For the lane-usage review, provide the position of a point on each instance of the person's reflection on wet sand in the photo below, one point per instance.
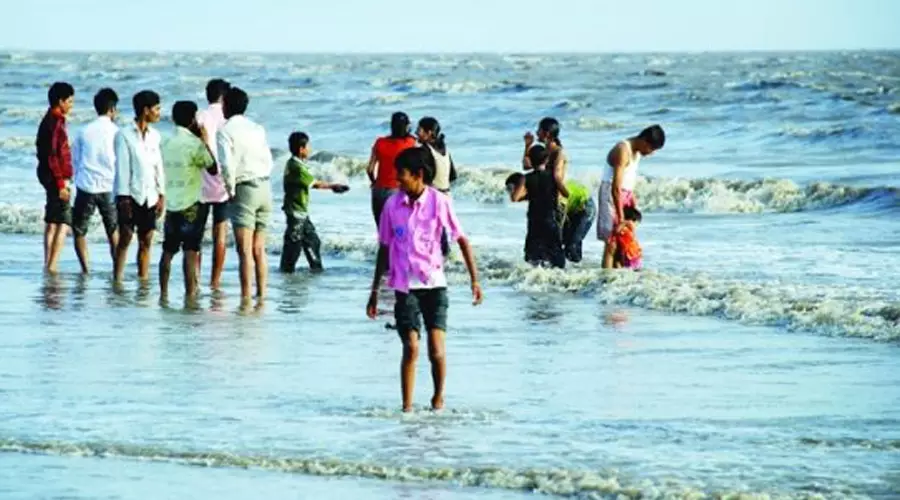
(52, 291)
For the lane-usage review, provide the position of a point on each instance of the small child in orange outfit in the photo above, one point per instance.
(628, 250)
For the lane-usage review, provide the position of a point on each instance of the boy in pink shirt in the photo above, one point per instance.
(409, 233)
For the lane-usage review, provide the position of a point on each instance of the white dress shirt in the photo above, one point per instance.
(139, 165)
(243, 152)
(212, 120)
(94, 156)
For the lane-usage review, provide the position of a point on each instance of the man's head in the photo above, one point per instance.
(538, 156)
(235, 102)
(548, 130)
(184, 114)
(298, 143)
(106, 102)
(216, 90)
(415, 169)
(61, 95)
(651, 139)
(146, 106)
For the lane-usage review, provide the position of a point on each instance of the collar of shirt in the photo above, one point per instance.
(57, 112)
(423, 198)
(179, 130)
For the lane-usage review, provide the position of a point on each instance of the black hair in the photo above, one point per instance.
(551, 127)
(216, 89)
(632, 214)
(183, 113)
(399, 125)
(514, 179)
(236, 102)
(653, 135)
(143, 100)
(415, 160)
(538, 155)
(105, 101)
(297, 141)
(59, 91)
(431, 124)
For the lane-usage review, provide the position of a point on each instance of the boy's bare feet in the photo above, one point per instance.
(407, 409)
(437, 403)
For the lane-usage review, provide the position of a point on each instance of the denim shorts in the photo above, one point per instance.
(85, 206)
(184, 229)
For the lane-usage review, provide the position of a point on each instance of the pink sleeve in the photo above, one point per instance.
(450, 221)
(385, 231)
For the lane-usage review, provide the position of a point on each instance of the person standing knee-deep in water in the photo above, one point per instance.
(300, 235)
(140, 183)
(619, 181)
(54, 171)
(246, 164)
(430, 136)
(186, 156)
(214, 194)
(94, 157)
(580, 213)
(409, 234)
(380, 170)
(543, 239)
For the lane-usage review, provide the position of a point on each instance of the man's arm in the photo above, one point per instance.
(526, 161)
(559, 175)
(209, 158)
(469, 257)
(223, 147)
(56, 160)
(453, 174)
(373, 164)
(519, 192)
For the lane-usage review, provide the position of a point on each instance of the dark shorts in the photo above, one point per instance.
(380, 196)
(56, 211)
(412, 308)
(219, 212)
(85, 206)
(143, 218)
(184, 229)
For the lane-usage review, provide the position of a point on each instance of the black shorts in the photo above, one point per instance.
(412, 308)
(219, 212)
(85, 205)
(184, 229)
(56, 211)
(143, 218)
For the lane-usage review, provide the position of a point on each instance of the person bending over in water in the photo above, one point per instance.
(543, 239)
(300, 235)
(580, 214)
(409, 234)
(619, 180)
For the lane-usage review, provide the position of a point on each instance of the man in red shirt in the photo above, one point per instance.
(54, 171)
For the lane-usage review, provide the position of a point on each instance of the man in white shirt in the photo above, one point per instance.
(94, 158)
(246, 163)
(140, 183)
(214, 194)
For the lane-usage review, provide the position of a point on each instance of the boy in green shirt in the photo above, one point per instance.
(300, 235)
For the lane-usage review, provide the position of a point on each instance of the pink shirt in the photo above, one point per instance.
(411, 230)
(213, 186)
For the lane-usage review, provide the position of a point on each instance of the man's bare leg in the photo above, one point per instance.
(125, 235)
(408, 368)
(609, 254)
(57, 242)
(220, 234)
(113, 239)
(244, 241)
(49, 231)
(165, 269)
(436, 354)
(81, 250)
(262, 263)
(145, 242)
(191, 273)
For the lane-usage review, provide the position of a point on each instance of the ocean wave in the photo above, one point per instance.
(823, 133)
(17, 142)
(573, 483)
(381, 100)
(894, 108)
(422, 86)
(35, 115)
(593, 123)
(757, 85)
(867, 444)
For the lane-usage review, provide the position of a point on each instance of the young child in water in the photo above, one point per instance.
(300, 235)
(628, 251)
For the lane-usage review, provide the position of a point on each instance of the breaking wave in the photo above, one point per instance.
(573, 483)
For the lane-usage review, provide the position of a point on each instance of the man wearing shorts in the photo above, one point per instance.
(246, 163)
(140, 183)
(54, 171)
(186, 157)
(214, 194)
(94, 157)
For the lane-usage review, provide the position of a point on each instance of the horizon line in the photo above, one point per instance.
(448, 52)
